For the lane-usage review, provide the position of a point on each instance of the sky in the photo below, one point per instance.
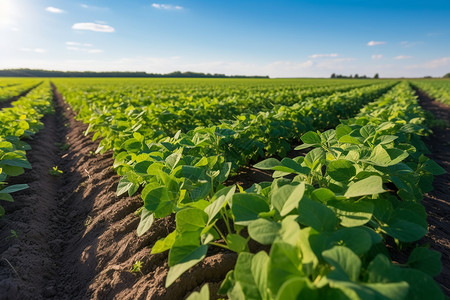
(281, 38)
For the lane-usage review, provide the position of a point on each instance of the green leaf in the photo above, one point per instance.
(322, 195)
(202, 295)
(314, 158)
(6, 197)
(311, 138)
(348, 139)
(186, 257)
(390, 290)
(432, 167)
(164, 244)
(351, 213)
(345, 260)
(14, 188)
(2, 211)
(316, 215)
(267, 164)
(158, 202)
(237, 243)
(341, 170)
(356, 239)
(145, 222)
(286, 198)
(342, 130)
(297, 288)
(16, 163)
(259, 268)
(425, 260)
(384, 157)
(218, 201)
(406, 226)
(123, 186)
(244, 276)
(285, 263)
(172, 160)
(190, 219)
(263, 231)
(246, 207)
(369, 186)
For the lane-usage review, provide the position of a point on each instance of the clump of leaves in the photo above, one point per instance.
(55, 171)
(137, 266)
(13, 235)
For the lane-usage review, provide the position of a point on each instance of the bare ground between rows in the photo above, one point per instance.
(76, 239)
(437, 202)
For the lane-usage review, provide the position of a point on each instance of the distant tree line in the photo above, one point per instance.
(356, 76)
(177, 74)
(447, 75)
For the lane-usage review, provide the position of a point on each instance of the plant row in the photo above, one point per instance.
(326, 216)
(437, 89)
(14, 89)
(17, 124)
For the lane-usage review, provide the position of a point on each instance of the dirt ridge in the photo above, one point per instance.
(437, 202)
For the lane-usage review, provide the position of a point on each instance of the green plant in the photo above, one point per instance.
(136, 268)
(55, 171)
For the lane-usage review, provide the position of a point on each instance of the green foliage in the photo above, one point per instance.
(324, 215)
(55, 171)
(17, 123)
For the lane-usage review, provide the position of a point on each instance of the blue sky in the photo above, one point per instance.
(275, 38)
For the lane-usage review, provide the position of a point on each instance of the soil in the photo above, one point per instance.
(437, 202)
(76, 239)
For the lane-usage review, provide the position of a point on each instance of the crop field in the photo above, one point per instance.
(119, 188)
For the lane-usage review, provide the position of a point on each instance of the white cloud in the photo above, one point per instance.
(324, 55)
(94, 50)
(167, 6)
(93, 27)
(375, 43)
(437, 63)
(78, 44)
(85, 6)
(82, 47)
(377, 56)
(54, 10)
(402, 57)
(35, 50)
(408, 44)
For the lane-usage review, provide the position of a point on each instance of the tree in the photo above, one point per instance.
(447, 75)
(333, 75)
(356, 75)
(376, 76)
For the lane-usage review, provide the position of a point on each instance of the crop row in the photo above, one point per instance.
(17, 124)
(360, 184)
(10, 89)
(437, 89)
(165, 111)
(325, 226)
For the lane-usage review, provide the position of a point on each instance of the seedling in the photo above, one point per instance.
(56, 172)
(137, 266)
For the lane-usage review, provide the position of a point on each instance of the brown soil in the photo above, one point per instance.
(76, 238)
(437, 202)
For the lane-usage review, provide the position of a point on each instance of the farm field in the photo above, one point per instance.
(213, 188)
